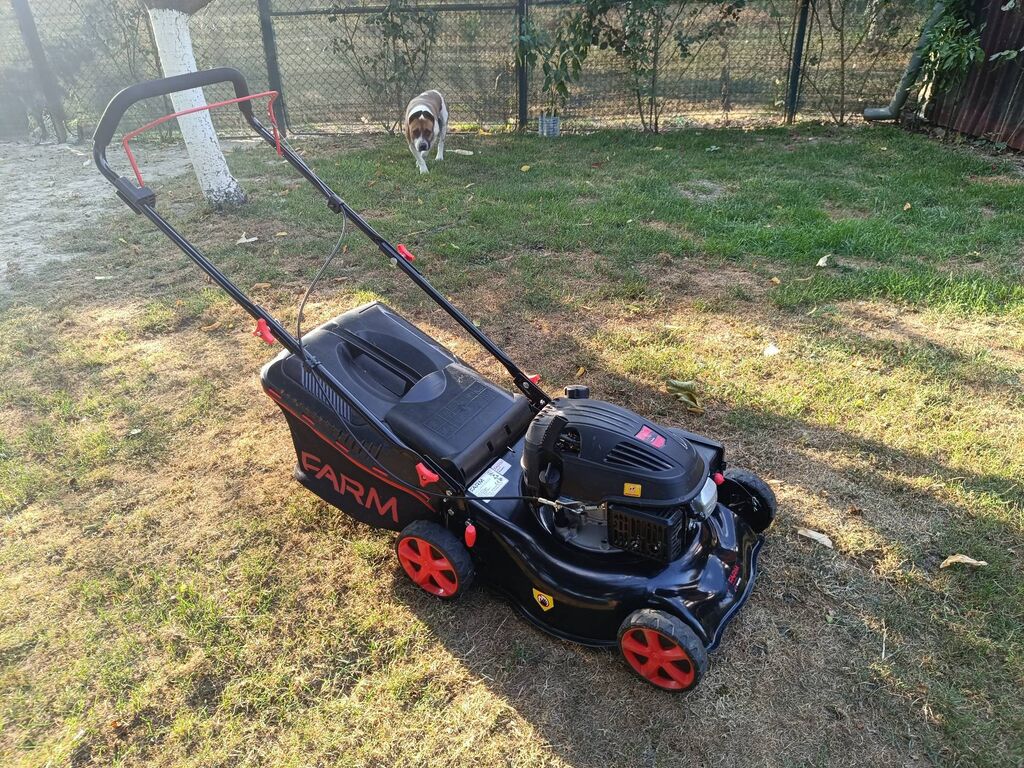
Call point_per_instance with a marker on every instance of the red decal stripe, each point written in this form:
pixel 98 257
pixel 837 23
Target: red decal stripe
pixel 376 472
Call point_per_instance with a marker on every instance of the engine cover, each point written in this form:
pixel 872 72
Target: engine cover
pixel 590 450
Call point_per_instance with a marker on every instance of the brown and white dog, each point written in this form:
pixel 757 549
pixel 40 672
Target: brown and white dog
pixel 426 123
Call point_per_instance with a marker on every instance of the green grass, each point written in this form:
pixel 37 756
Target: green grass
pixel 168 596
pixel 774 198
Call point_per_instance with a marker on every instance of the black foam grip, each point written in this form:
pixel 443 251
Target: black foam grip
pixel 135 93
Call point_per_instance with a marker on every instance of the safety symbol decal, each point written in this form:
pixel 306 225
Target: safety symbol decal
pixel 546 602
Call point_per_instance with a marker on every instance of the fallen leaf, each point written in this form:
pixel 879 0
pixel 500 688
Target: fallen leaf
pixel 658 149
pixel 580 371
pixel 959 559
pixel 771 351
pixel 525 168
pixel 471 184
pixel 104 277
pixel 211 327
pixel 823 261
pixel 465 152
pixel 134 432
pixel 686 393
pixel 280 234
pixel 775 281
pixel 817 536
pixel 712 148
pixel 260 286
pixel 245 239
pixel 907 206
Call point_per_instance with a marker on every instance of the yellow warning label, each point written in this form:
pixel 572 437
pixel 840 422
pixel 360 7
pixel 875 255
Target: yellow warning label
pixel 631 489
pixel 546 602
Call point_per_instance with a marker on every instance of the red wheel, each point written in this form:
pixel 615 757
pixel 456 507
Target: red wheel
pixel 434 559
pixel 662 650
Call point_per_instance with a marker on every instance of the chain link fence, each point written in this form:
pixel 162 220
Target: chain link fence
pixel 353 66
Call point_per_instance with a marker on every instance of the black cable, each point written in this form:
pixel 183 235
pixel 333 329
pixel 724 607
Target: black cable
pixel 316 279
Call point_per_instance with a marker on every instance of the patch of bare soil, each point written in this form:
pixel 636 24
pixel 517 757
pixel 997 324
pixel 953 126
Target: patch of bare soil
pixel 701 190
pixel 49 191
pixel 840 212
pixel 999 178
pixel 673 228
pixel 699 279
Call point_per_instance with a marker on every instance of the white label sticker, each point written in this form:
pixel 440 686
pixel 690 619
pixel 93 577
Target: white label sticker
pixel 492 480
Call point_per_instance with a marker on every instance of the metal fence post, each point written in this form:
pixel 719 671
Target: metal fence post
pixel 44 74
pixel 521 74
pixel 796 61
pixel 273 66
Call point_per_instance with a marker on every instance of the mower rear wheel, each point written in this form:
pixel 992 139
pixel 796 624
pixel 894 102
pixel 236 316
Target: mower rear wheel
pixel 435 560
pixel 662 650
pixel 750 497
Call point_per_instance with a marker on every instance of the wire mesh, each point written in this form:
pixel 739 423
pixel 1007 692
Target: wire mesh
pixel 737 77
pixel 350 68
pixel 353 66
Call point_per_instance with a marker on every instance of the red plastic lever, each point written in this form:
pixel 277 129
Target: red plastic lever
pixel 405 253
pixel 534 378
pixel 425 475
pixel 470 535
pixel 263 331
pixel 718 477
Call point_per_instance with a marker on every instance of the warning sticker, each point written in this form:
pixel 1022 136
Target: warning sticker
pixel 544 600
pixel 492 480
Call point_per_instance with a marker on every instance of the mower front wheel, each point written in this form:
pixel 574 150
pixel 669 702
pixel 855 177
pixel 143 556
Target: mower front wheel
pixel 750 497
pixel 435 560
pixel 662 650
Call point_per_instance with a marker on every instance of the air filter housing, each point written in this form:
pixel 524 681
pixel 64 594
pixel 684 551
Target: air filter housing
pixel 656 533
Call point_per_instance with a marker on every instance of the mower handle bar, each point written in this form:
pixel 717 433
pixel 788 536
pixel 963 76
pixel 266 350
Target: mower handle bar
pixel 164 87
pixel 142 200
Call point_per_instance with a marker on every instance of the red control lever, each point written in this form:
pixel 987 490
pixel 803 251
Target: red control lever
pixel 405 253
pixel 263 331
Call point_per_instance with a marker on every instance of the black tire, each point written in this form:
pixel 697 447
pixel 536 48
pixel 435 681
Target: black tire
pixel 679 659
pixel 750 497
pixel 447 581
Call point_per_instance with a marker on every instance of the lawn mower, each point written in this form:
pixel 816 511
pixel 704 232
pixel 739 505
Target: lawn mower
pixel 600 526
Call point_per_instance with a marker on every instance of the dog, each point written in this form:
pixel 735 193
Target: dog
pixel 426 123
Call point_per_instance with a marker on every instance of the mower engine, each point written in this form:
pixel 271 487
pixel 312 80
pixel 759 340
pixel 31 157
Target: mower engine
pixel 614 480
